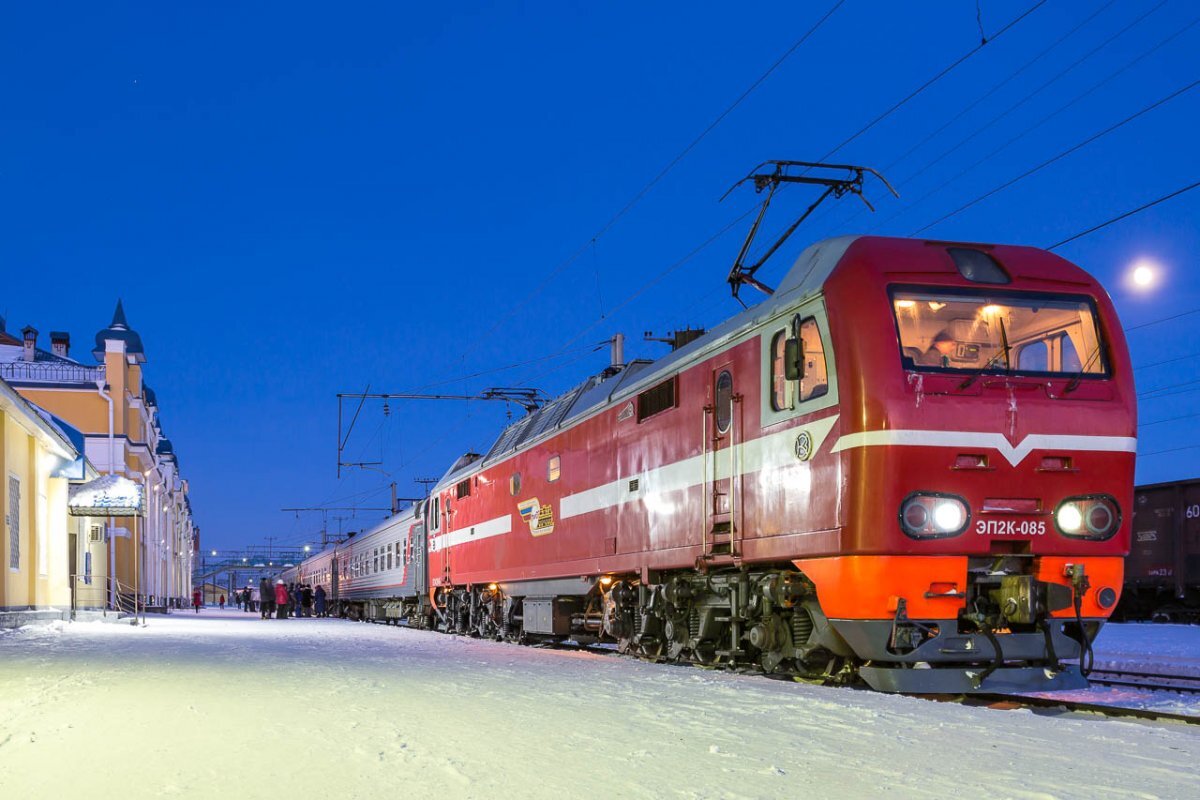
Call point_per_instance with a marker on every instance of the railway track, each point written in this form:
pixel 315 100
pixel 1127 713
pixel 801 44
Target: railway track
pixel 1155 681
pixel 1008 701
pixel 999 701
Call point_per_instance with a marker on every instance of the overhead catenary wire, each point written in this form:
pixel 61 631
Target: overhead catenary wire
pixel 1125 215
pixel 641 193
pixel 931 81
pixel 1053 159
pixel 1006 113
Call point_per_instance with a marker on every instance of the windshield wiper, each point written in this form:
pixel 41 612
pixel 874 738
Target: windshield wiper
pixel 1073 384
pixel 1003 351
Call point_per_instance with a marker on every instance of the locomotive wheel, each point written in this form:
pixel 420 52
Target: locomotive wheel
pixel 651 649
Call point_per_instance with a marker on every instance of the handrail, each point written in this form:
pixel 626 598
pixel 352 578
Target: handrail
pixel 106 594
pixel 51 372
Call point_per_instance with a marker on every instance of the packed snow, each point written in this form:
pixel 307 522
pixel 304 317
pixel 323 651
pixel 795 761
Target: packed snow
pixel 224 702
pixel 1150 648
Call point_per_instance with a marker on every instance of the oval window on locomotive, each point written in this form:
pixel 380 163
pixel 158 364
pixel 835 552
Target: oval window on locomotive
pixel 979 331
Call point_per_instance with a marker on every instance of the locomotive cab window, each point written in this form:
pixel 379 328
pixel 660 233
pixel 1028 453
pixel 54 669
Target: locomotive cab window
pixel 979 332
pixel 798 366
pixel 553 468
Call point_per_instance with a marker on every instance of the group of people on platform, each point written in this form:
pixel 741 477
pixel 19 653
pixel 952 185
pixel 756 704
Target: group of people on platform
pixel 281 600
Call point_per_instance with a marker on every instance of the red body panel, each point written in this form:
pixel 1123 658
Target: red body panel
pixel 833 504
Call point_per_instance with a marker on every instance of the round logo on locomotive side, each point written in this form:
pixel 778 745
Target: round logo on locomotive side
pixel 804 446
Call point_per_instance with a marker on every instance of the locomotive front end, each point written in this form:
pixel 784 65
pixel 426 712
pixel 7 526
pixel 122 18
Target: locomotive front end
pixel 991 463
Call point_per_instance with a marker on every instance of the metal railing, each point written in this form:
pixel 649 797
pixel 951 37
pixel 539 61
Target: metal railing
pixel 107 595
pixel 51 372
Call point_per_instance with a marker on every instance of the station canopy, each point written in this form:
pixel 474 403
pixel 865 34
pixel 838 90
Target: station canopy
pixel 106 496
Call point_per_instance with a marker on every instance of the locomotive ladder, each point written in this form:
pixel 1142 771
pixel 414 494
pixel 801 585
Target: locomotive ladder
pixel 719 530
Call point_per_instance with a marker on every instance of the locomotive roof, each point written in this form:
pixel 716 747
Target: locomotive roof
pixel 804 279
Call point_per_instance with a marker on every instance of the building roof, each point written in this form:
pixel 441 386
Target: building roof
pixel 120 331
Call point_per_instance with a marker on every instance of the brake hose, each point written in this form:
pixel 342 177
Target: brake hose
pixel 1087 659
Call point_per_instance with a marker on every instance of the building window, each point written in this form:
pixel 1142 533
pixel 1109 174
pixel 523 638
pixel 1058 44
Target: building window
pixel 553 468
pixel 14 522
pixel 656 399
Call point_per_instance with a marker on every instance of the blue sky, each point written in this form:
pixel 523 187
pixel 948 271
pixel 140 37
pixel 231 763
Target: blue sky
pixel 297 199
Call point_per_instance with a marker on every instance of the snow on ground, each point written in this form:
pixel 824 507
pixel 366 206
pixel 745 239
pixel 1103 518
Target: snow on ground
pixel 1144 647
pixel 223 702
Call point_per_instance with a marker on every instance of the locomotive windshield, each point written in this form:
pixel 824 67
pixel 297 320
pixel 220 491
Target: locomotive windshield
pixel 972 331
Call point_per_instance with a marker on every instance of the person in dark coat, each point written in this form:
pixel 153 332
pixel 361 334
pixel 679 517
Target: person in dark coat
pixel 306 600
pixel 266 598
pixel 196 600
pixel 319 598
pixel 281 600
pixel 294 599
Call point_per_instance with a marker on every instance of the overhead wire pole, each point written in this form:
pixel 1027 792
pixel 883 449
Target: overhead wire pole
pixel 528 398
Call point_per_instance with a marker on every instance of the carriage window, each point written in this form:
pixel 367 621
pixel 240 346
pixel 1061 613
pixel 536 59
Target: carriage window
pixel 656 399
pixel 815 382
pixel 553 468
pixel 389 557
pixel 973 331
pixel 724 403
pixel 780 388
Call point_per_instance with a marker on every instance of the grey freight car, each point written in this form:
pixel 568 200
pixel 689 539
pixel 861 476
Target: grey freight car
pixel 1162 572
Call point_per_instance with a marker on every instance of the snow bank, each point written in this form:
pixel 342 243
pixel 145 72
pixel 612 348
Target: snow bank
pixel 225 702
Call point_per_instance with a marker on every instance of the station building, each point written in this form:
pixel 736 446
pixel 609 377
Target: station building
pixel 40 457
pixel 133 523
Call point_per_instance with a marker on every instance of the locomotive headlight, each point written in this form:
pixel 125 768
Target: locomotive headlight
pixel 930 515
pixel 1096 517
pixel 1069 518
pixel 948 515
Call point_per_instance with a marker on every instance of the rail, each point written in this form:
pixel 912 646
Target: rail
pixel 1154 681
pixel 51 372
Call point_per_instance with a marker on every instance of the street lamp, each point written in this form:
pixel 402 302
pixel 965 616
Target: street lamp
pixel 307 548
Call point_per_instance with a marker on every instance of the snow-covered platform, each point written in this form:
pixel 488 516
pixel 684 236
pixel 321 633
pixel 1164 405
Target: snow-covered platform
pixel 225 703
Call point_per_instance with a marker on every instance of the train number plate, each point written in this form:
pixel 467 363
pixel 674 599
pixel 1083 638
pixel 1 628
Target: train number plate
pixel 1010 527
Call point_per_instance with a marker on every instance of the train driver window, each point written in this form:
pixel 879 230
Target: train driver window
pixel 781 389
pixel 436 517
pixel 815 382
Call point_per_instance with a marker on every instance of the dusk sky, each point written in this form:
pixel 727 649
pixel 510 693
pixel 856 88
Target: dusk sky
pixel 300 199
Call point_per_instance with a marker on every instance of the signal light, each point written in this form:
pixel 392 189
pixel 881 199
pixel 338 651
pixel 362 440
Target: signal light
pixel 931 515
pixel 1093 517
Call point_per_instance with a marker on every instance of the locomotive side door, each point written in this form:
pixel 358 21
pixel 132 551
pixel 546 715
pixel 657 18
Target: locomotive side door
pixel 721 430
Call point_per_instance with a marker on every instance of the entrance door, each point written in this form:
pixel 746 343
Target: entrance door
pixel 721 430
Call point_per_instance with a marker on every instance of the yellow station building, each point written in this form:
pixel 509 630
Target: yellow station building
pixel 39 457
pixel 144 543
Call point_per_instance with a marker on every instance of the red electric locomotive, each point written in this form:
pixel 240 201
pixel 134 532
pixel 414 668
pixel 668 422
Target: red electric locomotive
pixel 913 463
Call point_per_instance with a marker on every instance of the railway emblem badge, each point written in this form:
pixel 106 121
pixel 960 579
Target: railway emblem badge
pixel 804 446
pixel 540 517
